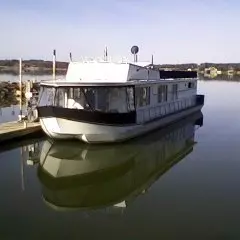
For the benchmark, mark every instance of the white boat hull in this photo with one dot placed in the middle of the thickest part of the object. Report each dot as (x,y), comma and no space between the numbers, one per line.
(59,128)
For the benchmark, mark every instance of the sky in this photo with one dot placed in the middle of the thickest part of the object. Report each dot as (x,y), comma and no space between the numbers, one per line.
(173,31)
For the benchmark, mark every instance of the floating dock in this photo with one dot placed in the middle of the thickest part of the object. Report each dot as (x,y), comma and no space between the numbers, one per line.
(15,130)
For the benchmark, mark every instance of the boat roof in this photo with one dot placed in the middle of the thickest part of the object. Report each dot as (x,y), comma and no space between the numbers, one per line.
(110,72)
(64,83)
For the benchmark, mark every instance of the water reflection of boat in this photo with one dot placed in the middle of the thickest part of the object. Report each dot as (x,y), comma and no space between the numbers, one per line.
(75,175)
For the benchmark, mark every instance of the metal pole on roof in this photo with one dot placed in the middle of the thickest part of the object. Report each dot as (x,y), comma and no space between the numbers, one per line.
(106,53)
(54,64)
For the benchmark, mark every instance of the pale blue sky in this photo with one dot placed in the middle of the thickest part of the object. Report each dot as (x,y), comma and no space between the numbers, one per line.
(174,31)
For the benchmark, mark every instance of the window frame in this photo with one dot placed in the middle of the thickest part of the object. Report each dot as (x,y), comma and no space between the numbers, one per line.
(140,100)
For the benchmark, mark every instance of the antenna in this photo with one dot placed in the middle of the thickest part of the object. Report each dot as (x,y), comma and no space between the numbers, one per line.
(105,57)
(70,56)
(134,51)
(54,64)
(152,65)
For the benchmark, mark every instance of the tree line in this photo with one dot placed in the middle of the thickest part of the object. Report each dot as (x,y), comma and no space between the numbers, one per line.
(32,63)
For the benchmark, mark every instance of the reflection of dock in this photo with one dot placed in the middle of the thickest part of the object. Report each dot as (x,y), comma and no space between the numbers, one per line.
(16,130)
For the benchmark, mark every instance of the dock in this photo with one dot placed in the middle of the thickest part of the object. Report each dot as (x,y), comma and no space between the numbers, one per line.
(15,130)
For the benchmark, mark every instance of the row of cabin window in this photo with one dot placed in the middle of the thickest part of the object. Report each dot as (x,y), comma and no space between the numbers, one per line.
(143,94)
(107,99)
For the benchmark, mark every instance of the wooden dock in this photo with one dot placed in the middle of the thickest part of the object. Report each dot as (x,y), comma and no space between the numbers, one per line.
(15,130)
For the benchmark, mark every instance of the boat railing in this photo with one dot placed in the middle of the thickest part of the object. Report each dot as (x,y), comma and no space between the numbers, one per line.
(168,108)
(109,59)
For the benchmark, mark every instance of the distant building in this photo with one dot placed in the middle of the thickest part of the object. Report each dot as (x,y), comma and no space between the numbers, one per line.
(212,71)
(230,71)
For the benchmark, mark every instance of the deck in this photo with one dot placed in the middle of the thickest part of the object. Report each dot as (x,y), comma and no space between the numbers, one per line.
(14,130)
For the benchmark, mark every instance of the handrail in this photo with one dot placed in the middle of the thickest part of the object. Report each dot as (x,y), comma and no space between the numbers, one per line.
(168,107)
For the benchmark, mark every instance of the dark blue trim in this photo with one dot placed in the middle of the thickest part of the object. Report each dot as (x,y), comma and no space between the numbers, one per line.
(88,116)
(200,99)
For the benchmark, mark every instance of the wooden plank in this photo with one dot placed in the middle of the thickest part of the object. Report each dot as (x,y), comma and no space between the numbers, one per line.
(13,130)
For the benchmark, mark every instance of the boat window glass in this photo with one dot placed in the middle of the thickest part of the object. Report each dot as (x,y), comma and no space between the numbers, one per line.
(60,97)
(70,93)
(89,96)
(190,85)
(130,99)
(47,95)
(76,99)
(174,91)
(117,100)
(103,99)
(142,96)
(162,93)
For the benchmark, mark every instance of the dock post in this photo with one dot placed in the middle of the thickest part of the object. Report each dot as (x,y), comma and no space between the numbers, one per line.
(20,87)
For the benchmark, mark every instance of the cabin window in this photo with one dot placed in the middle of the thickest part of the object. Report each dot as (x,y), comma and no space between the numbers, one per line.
(142,96)
(89,95)
(46,96)
(60,98)
(190,85)
(174,91)
(83,98)
(102,99)
(130,99)
(162,93)
(71,92)
(117,100)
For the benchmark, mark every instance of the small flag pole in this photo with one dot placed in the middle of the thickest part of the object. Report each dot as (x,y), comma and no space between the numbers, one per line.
(54,64)
(106,53)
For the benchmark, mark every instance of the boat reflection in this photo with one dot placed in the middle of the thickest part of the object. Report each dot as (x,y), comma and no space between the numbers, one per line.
(79,176)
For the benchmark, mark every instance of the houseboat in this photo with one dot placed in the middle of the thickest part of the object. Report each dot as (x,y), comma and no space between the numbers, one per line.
(76,176)
(105,101)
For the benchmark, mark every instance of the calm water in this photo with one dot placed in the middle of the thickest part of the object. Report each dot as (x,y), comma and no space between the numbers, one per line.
(160,186)
(8,114)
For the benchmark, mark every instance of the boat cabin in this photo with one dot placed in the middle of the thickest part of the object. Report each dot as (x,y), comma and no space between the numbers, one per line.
(125,92)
